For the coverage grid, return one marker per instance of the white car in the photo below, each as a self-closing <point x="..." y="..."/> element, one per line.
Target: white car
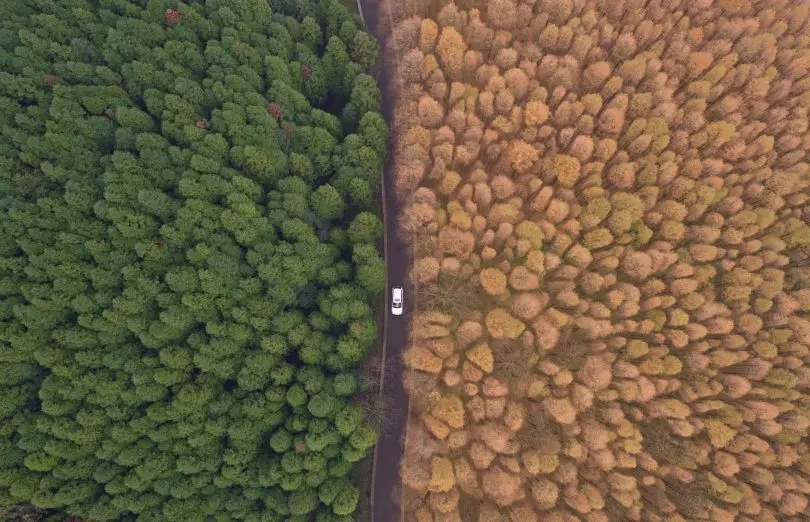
<point x="396" y="300"/>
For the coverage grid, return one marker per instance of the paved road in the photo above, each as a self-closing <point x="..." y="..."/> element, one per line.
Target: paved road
<point x="385" y="488"/>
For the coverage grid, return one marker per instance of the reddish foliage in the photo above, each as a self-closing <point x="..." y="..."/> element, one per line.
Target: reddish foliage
<point x="202" y="124"/>
<point x="172" y="16"/>
<point x="276" y="110"/>
<point x="306" y="72"/>
<point x="50" y="79"/>
<point x="160" y="241"/>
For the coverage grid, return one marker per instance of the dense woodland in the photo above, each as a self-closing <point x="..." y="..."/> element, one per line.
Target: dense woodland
<point x="188" y="250"/>
<point x="610" y="208"/>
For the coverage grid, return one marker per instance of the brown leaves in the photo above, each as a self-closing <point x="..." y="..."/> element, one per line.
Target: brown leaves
<point x="521" y="155"/>
<point x="493" y="281"/>
<point x="561" y="409"/>
<point x="431" y="112"/>
<point x="596" y="373"/>
<point x="633" y="191"/>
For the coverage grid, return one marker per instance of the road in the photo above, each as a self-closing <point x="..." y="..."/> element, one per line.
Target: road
<point x="387" y="454"/>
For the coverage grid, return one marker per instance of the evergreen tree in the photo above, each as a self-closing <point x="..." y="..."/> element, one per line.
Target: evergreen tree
<point x="186" y="257"/>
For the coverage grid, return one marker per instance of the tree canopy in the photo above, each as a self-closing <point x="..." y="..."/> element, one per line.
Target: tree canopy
<point x="184" y="190"/>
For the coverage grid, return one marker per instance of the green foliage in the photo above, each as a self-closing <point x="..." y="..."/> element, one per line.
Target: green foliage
<point x="365" y="228"/>
<point x="327" y="202"/>
<point x="186" y="257"/>
<point x="374" y="131"/>
<point x="365" y="50"/>
<point x="345" y="384"/>
<point x="365" y="94"/>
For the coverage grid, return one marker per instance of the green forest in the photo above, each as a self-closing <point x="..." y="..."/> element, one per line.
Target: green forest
<point x="189" y="249"/>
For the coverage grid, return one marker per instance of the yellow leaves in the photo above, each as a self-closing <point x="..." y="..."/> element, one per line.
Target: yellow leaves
<point x="632" y="447"/>
<point x="629" y="202"/>
<point x="535" y="261"/>
<point x="723" y="490"/>
<point x="419" y="358"/>
<point x="595" y="239"/>
<point x="502" y="325"/>
<point x="481" y="356"/>
<point x="503" y="213"/>
<point x="503" y="125"/>
<point x="567" y="169"/>
<point x="450" y="181"/>
<point x="450" y="410"/>
<point x="671" y="365"/>
<point x="442" y="478"/>
<point x="461" y="220"/>
<point x="428" y="33"/>
<point x="640" y="104"/>
<point x="719" y="433"/>
<point x="654" y="366"/>
<point x="531" y="231"/>
<point x="799" y="237"/>
<point x="620" y="222"/>
<point x="592" y="103"/>
<point x="436" y="427"/>
<point x="678" y="317"/>
<point x="537" y="389"/>
<point x="537" y="463"/>
<point x="670" y="408"/>
<point x="430" y="65"/>
<point x="721" y="132"/>
<point x="493" y="281"/>
<point x="430" y="331"/>
<point x="671" y="230"/>
<point x="636" y="348"/>
<point x="535" y="113"/>
<point x="781" y="377"/>
<point x="451" y="49"/>
<point x="594" y="212"/>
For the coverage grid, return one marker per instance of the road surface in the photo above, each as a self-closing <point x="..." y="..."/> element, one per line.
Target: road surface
<point x="385" y="488"/>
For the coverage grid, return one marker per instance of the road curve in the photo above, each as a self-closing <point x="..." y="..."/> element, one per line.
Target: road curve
<point x="388" y="452"/>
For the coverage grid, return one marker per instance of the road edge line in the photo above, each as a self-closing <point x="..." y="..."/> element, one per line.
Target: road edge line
<point x="384" y="347"/>
<point x="360" y="11"/>
<point x="403" y="456"/>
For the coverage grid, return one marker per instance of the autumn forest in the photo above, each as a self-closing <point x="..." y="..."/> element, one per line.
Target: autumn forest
<point x="604" y="209"/>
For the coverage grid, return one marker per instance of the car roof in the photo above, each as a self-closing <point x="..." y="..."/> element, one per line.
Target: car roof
<point x="397" y="290"/>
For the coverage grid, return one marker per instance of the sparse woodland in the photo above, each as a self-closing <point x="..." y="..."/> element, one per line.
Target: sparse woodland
<point x="609" y="206"/>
